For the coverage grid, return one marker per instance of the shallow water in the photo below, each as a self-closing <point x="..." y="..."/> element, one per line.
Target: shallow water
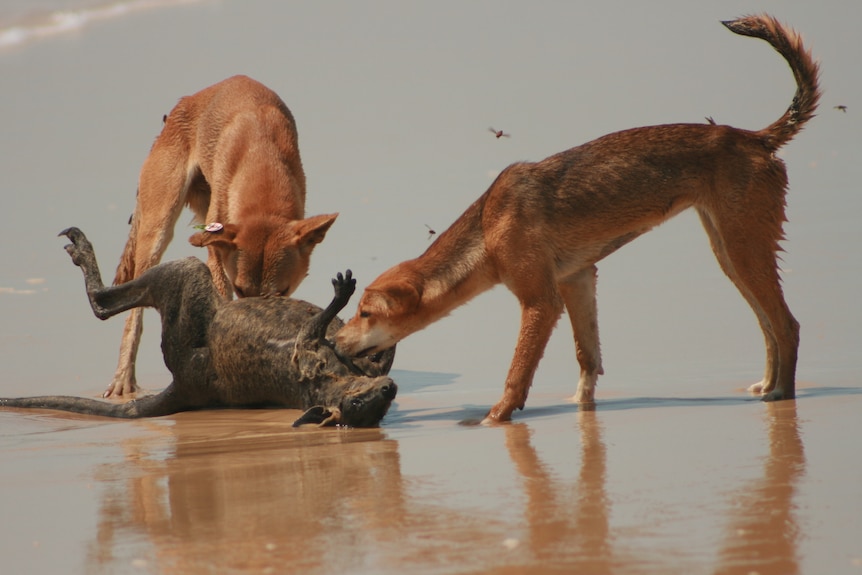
<point x="715" y="484"/>
<point x="678" y="470"/>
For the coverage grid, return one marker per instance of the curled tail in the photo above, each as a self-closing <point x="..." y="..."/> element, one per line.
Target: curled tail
<point x="788" y="43"/>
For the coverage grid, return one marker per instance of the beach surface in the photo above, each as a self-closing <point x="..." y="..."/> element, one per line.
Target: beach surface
<point x="677" y="471"/>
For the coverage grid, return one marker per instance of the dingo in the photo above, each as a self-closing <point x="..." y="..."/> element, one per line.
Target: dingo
<point x="230" y="153"/>
<point x="541" y="227"/>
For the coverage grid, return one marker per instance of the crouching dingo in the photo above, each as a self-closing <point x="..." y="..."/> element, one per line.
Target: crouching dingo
<point x="541" y="227"/>
<point x="231" y="154"/>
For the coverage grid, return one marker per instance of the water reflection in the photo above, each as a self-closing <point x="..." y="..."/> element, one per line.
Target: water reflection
<point x="763" y="533"/>
<point x="200" y="493"/>
<point x="270" y="498"/>
<point x="569" y="527"/>
<point x="221" y="492"/>
<point x="566" y="525"/>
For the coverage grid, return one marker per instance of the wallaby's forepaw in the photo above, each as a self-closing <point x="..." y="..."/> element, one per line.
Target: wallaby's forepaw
<point x="344" y="285"/>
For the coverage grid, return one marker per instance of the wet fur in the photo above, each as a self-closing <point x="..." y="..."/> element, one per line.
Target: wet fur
<point x="541" y="228"/>
<point x="255" y="352"/>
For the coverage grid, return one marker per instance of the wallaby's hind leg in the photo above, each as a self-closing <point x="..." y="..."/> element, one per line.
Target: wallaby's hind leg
<point x="105" y="301"/>
<point x="181" y="291"/>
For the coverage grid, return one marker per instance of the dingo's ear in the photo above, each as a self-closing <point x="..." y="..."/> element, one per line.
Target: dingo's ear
<point x="223" y="238"/>
<point x="311" y="231"/>
<point x="401" y="297"/>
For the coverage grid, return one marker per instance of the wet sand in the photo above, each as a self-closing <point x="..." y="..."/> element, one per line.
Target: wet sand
<point x="719" y="484"/>
<point x="677" y="471"/>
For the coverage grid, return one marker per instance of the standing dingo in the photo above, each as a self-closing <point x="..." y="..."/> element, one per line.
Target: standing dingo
<point x="230" y="153"/>
<point x="541" y="227"/>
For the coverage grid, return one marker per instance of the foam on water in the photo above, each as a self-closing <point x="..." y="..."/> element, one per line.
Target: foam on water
<point x="24" y="25"/>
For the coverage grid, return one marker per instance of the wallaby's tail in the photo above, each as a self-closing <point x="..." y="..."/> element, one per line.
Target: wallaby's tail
<point x="126" y="267"/>
<point x="148" y="406"/>
<point x="788" y="43"/>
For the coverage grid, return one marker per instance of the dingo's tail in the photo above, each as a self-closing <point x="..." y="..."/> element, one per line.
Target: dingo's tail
<point x="788" y="43"/>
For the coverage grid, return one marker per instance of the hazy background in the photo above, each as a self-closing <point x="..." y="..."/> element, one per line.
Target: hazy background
<point x="393" y="101"/>
<point x="677" y="471"/>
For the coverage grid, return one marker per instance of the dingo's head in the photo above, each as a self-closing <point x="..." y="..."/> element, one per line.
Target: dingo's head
<point x="265" y="257"/>
<point x="388" y="311"/>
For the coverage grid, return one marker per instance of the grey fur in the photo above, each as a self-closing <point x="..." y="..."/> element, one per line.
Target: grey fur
<point x="248" y="353"/>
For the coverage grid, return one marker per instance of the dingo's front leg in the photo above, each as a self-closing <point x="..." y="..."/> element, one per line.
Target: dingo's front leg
<point x="537" y="322"/>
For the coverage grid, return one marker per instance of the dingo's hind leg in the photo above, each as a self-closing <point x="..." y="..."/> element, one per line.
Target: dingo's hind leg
<point x="579" y="295"/>
<point x="746" y="246"/>
<point x="162" y="188"/>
